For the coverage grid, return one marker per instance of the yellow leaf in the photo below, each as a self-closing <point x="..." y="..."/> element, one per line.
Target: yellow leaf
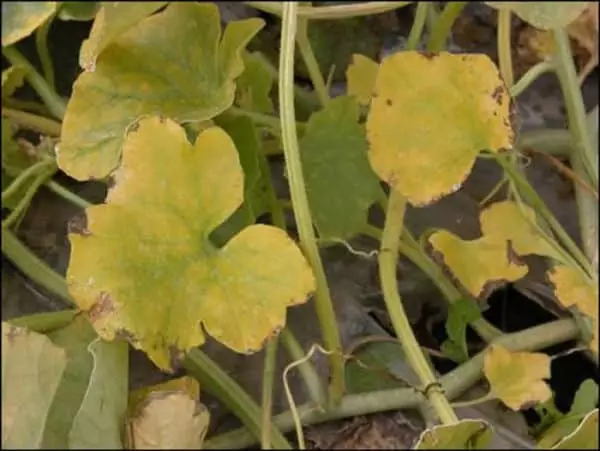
<point x="466" y="434"/>
<point x="20" y="19"/>
<point x="425" y="131"/>
<point x="517" y="378"/>
<point x="361" y="75"/>
<point x="506" y="233"/>
<point x="572" y="289"/>
<point x="146" y="268"/>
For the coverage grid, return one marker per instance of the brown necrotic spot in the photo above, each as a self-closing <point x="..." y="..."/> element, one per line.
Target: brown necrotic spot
<point x="429" y="55"/>
<point x="388" y="102"/>
<point x="497" y="94"/>
<point x="175" y="358"/>
<point x="104" y="306"/>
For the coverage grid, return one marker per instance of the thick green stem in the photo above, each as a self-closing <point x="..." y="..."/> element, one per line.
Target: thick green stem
<point x="555" y="142"/>
<point x="410" y="248"/>
<point x="504" y="50"/>
<point x="21" y="179"/>
<point x="414" y="37"/>
<point x="455" y="383"/>
<point x="33" y="122"/>
<point x="302" y="215"/>
<point x="51" y="99"/>
<point x="529" y="77"/>
<point x="267" y="392"/>
<point x="213" y="379"/>
<point x="41" y="44"/>
<point x="443" y="25"/>
<point x="33" y="267"/>
<point x="388" y="257"/>
<point x="68" y="195"/>
<point x="311" y="63"/>
<point x="266" y="120"/>
<point x="584" y="158"/>
<point x="331" y="12"/>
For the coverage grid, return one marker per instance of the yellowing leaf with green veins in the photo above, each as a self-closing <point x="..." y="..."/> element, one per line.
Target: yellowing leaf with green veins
<point x="466" y="434"/>
<point x="425" y="131"/>
<point x="584" y="437"/>
<point x="146" y="270"/>
<point x="174" y="63"/>
<point x="32" y="368"/>
<point x="340" y="185"/>
<point x="508" y="231"/>
<point x="20" y="19"/>
<point x="544" y="15"/>
<point x="169" y="420"/>
<point x="517" y="378"/>
<point x="254" y="85"/>
<point x="361" y="75"/>
<point x="572" y="289"/>
<point x="113" y="19"/>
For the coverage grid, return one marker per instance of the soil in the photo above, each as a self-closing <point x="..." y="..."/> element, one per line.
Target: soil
<point x="353" y="279"/>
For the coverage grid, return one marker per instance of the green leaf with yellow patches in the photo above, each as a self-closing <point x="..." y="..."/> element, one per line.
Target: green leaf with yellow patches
<point x="573" y="289"/>
<point x="508" y="231"/>
<point x="517" y="378"/>
<point x="112" y="20"/>
<point x="339" y="182"/>
<point x="20" y="19"/>
<point x="466" y="434"/>
<point x="544" y="15"/>
<point x="425" y="131"/>
<point x="146" y="270"/>
<point x="585" y="436"/>
<point x="174" y="63"/>
<point x="361" y="75"/>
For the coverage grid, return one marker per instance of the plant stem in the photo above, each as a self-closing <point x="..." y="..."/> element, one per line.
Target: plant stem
<point x="68" y="195"/>
<point x="573" y="254"/>
<point x="51" y="99"/>
<point x="267" y="392"/>
<point x="302" y="215"/>
<point x="213" y="379"/>
<point x="455" y="383"/>
<point x="530" y="76"/>
<point x="410" y="248"/>
<point x="41" y="44"/>
<point x="414" y="37"/>
<point x="267" y="120"/>
<point x="388" y="257"/>
<point x="34" y="268"/>
<point x="584" y="158"/>
<point x="331" y="12"/>
<point x="443" y="25"/>
<point x="555" y="142"/>
<point x="22" y="178"/>
<point x="34" y="122"/>
<point x="567" y="76"/>
<point x="310" y="61"/>
<point x="504" y="50"/>
<point x="19" y="210"/>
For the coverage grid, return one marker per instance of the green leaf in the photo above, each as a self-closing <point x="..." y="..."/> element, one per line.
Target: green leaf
<point x="146" y="268"/>
<point x="460" y="314"/>
<point x="425" y="132"/>
<point x="379" y="366"/>
<point x="339" y="182"/>
<point x="466" y="434"/>
<point x="101" y="416"/>
<point x="255" y="84"/>
<point x="585" y="399"/>
<point x="112" y="20"/>
<point x="585" y="435"/>
<point x="81" y="11"/>
<point x="32" y="368"/>
<point x="544" y="15"/>
<point x="170" y="64"/>
<point x="20" y="19"/>
<point x="74" y="339"/>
